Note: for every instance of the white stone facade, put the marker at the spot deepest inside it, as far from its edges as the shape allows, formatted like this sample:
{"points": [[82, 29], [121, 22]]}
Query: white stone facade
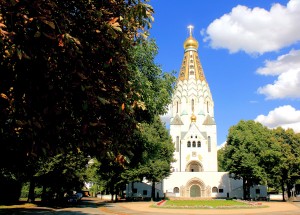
{"points": [[194, 133]]}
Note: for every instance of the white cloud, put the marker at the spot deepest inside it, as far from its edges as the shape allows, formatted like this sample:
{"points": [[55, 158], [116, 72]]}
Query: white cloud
{"points": [[282, 64], [256, 30], [287, 68], [283, 116]]}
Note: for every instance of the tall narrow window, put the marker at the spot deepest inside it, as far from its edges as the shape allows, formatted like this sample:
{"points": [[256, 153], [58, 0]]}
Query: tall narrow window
{"points": [[207, 107], [209, 144], [176, 107], [193, 105], [177, 144]]}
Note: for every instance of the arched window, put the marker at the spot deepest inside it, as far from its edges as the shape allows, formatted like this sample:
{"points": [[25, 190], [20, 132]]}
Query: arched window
{"points": [[176, 190], [194, 144], [209, 144], [214, 190], [199, 144], [189, 144], [176, 107]]}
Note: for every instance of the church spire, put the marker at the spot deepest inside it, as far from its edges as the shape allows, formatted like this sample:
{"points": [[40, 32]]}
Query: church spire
{"points": [[191, 66], [190, 43]]}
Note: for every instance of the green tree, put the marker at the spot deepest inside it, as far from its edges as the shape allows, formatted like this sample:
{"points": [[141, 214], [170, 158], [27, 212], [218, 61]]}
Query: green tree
{"points": [[155, 89], [93, 177], [221, 161], [245, 143], [65, 81], [282, 160], [155, 157], [61, 174]]}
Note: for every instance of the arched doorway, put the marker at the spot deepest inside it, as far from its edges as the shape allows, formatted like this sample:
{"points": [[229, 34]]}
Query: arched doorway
{"points": [[194, 166], [195, 191], [195, 188]]}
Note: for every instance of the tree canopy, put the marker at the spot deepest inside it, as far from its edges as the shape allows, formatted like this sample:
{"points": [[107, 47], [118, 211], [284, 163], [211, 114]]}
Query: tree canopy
{"points": [[70, 80], [260, 155]]}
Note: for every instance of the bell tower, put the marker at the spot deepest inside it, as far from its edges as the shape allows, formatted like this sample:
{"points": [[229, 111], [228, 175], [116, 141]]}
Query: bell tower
{"points": [[192, 125]]}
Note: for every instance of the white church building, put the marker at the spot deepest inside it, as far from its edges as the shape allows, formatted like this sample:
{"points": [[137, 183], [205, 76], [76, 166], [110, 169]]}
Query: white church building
{"points": [[194, 132]]}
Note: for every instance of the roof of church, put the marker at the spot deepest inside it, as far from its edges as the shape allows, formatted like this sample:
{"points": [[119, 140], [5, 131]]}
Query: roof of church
{"points": [[191, 65], [209, 121], [177, 120]]}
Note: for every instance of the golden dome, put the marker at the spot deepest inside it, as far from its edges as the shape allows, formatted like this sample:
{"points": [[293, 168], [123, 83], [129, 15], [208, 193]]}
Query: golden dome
{"points": [[193, 118], [190, 42]]}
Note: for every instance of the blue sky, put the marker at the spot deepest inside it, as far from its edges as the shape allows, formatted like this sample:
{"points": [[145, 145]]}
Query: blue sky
{"points": [[250, 53]]}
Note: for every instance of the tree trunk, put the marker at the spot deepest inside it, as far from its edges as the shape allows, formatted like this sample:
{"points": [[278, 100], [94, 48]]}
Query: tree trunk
{"points": [[244, 190], [282, 188], [44, 194], [153, 191], [289, 191], [31, 196], [132, 187]]}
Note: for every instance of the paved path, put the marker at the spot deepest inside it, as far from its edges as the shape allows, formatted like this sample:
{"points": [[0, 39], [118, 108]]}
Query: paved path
{"points": [[97, 207]]}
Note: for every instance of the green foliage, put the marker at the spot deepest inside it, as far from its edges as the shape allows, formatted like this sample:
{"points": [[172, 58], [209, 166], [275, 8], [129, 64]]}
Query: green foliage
{"points": [[25, 191], [259, 155], [93, 177], [284, 152], [150, 140], [245, 142], [70, 82], [221, 161]]}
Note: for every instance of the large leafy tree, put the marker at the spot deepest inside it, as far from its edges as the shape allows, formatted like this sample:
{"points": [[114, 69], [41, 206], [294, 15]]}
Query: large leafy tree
{"points": [[154, 157], [65, 80], [246, 142], [282, 161], [155, 92]]}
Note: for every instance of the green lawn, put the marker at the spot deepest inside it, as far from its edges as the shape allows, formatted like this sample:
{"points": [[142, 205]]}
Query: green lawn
{"points": [[208, 204]]}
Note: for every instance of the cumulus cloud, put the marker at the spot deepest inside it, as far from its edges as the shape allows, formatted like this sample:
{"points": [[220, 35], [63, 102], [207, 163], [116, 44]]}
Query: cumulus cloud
{"points": [[283, 116], [256, 30], [287, 68]]}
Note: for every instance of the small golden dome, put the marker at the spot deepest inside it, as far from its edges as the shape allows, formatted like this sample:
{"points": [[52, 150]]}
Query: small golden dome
{"points": [[190, 42], [193, 118]]}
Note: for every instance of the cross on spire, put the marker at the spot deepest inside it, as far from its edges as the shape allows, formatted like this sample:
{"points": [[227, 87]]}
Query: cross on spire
{"points": [[190, 27]]}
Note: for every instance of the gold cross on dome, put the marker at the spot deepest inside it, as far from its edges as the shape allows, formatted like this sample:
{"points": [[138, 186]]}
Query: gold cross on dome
{"points": [[190, 27]]}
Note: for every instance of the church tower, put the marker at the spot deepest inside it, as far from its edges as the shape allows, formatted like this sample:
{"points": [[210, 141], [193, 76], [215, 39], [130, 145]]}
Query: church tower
{"points": [[194, 133], [192, 125]]}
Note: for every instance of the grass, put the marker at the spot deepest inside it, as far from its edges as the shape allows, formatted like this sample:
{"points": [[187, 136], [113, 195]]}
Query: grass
{"points": [[209, 204]]}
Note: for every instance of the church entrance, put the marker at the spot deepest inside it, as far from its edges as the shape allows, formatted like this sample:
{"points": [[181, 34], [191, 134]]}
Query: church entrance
{"points": [[195, 188], [195, 191]]}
